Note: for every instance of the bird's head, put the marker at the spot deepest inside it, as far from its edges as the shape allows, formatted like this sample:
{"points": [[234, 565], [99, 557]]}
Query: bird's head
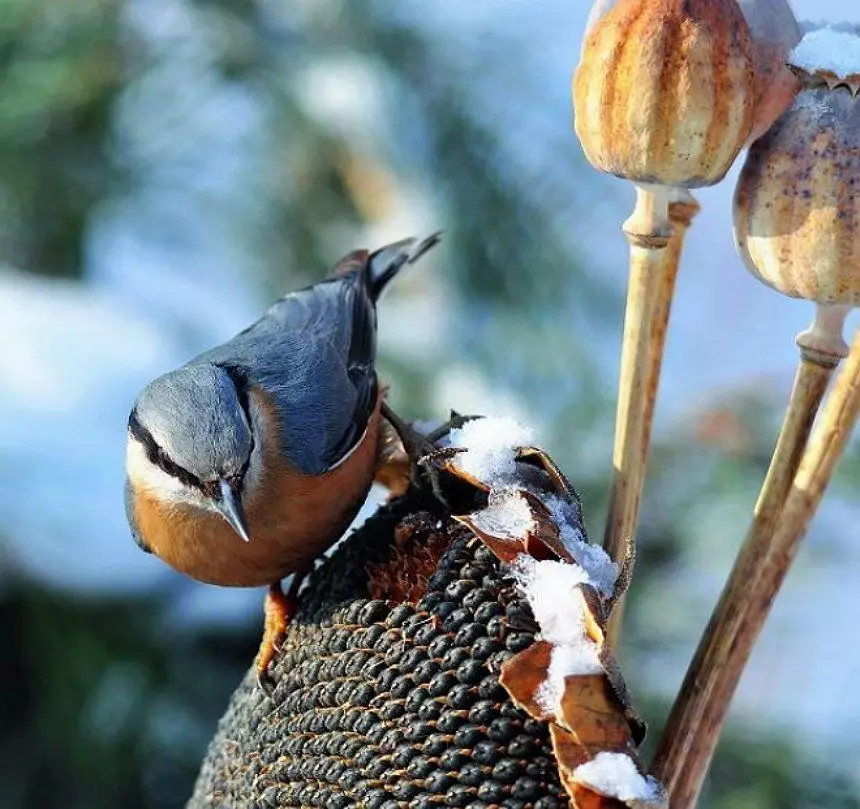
{"points": [[191, 441]]}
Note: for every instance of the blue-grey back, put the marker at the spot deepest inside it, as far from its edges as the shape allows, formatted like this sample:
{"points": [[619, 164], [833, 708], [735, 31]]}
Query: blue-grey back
{"points": [[313, 353]]}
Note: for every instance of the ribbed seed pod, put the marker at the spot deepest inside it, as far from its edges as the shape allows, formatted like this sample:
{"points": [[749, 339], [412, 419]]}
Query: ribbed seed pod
{"points": [[797, 220], [664, 92], [774, 31], [796, 225]]}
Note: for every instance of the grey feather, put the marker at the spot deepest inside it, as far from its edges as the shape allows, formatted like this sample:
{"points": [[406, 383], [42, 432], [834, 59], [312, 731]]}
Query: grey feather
{"points": [[388, 261], [195, 416], [303, 355]]}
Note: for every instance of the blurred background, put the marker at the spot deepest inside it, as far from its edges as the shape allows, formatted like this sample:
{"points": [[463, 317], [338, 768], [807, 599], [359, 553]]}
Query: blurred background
{"points": [[168, 167]]}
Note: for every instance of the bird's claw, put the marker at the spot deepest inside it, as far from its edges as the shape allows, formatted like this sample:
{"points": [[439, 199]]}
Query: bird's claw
{"points": [[279, 610], [455, 422], [426, 457], [266, 683], [415, 444], [439, 455]]}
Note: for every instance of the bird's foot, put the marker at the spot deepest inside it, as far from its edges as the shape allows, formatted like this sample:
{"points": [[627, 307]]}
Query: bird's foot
{"points": [[423, 450], [420, 445], [394, 466], [279, 609], [455, 422], [415, 444]]}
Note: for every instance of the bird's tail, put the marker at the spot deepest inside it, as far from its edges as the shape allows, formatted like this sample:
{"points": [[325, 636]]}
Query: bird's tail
{"points": [[386, 262]]}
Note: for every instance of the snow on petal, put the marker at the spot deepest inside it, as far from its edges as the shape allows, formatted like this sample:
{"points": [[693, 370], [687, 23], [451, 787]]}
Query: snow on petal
{"points": [[505, 516], [554, 594], [581, 658], [615, 775], [552, 590], [490, 445], [602, 571]]}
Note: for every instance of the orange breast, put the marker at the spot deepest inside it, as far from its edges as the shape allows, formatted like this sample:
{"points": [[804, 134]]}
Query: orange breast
{"points": [[292, 517]]}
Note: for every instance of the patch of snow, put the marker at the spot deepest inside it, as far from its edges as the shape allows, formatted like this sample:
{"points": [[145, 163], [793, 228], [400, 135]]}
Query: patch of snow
{"points": [[553, 592], [507, 515], [567, 661], [602, 571], [616, 776], [828, 49], [490, 445]]}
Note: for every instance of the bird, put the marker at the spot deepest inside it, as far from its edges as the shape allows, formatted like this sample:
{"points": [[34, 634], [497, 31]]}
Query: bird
{"points": [[247, 463]]}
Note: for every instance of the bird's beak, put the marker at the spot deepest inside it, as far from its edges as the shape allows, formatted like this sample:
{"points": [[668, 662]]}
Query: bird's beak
{"points": [[230, 508]]}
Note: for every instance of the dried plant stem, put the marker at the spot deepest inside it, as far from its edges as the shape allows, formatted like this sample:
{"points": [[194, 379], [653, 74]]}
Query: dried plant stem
{"points": [[783, 512], [682, 208], [648, 231]]}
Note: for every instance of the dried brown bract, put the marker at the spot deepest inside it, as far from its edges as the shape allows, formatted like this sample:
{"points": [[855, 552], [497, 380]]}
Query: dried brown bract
{"points": [[569, 678]]}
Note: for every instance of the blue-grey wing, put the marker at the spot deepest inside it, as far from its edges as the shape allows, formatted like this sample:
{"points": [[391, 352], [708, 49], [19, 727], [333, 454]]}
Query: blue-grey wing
{"points": [[313, 353]]}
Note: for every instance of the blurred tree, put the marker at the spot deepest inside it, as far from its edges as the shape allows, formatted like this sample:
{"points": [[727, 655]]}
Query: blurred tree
{"points": [[62, 66]]}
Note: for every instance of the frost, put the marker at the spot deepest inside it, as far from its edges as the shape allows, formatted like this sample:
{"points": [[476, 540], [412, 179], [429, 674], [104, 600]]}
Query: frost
{"points": [[490, 445], [828, 49], [615, 776]]}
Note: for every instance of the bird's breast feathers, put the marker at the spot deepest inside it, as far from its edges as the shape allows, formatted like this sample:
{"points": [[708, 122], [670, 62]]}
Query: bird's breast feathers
{"points": [[292, 517]]}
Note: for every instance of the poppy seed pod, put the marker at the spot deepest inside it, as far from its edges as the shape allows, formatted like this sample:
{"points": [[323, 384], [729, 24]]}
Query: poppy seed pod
{"points": [[796, 226], [775, 32], [797, 221], [664, 92]]}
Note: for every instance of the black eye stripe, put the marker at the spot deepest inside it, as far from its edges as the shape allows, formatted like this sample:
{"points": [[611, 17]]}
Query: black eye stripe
{"points": [[163, 461], [158, 456]]}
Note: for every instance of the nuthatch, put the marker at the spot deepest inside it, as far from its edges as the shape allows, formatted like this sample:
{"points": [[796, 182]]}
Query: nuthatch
{"points": [[247, 463]]}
